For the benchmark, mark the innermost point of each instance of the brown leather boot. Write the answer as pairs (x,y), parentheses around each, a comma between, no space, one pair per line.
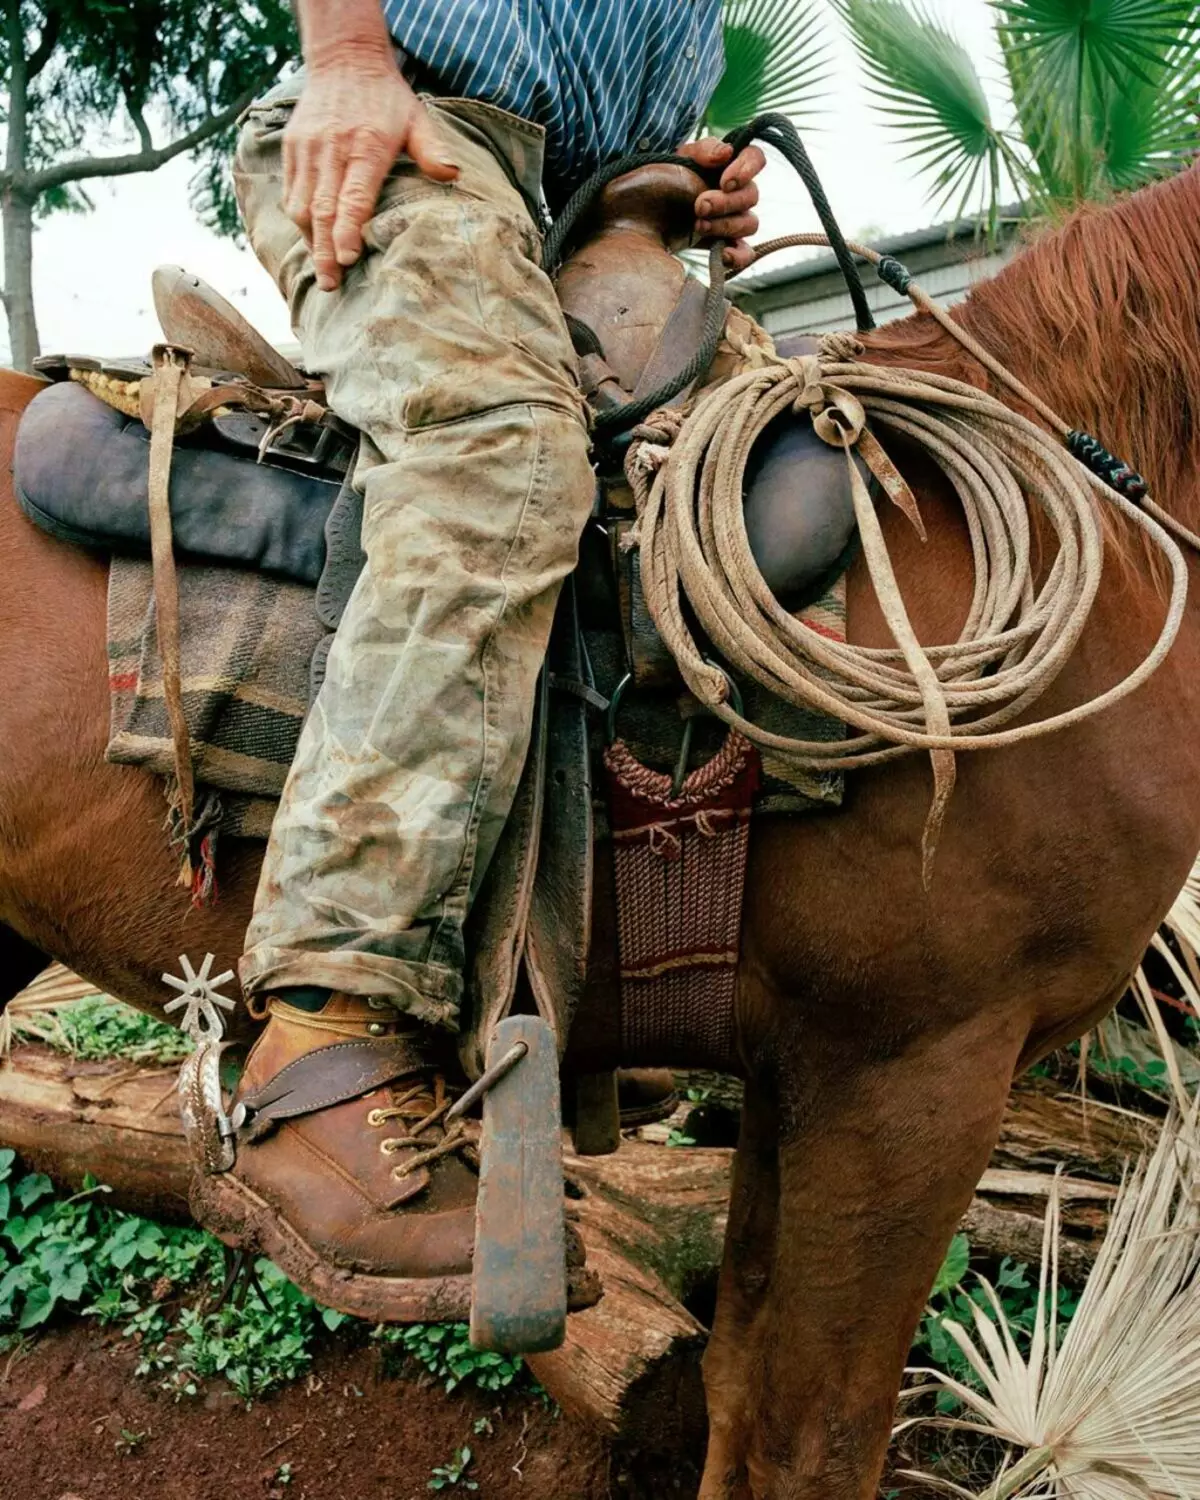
(645,1095)
(345,1173)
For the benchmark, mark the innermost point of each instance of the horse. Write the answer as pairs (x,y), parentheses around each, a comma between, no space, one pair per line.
(880,1023)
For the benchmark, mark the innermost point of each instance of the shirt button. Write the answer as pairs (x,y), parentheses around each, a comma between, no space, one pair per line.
(644,143)
(689,53)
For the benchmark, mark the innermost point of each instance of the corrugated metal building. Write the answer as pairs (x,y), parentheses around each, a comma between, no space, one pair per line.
(809,296)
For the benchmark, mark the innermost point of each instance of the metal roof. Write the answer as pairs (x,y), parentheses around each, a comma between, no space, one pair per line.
(953,234)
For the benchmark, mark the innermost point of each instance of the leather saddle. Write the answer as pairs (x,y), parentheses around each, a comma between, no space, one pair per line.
(283,503)
(81,464)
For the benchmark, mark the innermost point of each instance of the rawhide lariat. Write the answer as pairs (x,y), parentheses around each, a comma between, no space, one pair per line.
(700,578)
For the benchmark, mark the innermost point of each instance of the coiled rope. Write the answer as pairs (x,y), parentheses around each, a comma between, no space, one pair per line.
(687,475)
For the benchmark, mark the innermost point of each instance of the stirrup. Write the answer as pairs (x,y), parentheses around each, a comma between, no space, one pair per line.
(519,1276)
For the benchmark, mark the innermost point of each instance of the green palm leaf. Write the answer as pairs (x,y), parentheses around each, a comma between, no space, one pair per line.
(930,90)
(1104,90)
(776,58)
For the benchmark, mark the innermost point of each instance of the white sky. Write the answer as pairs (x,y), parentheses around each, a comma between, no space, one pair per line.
(92,274)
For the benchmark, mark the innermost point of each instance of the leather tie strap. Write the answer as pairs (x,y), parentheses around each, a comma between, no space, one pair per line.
(327,1076)
(170,366)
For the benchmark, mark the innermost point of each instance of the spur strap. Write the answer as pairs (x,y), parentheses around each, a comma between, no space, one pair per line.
(326,1076)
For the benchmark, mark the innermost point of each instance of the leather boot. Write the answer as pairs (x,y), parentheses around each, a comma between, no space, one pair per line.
(345,1173)
(645,1095)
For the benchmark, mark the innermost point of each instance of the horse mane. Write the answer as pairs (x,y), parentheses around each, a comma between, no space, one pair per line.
(1101,317)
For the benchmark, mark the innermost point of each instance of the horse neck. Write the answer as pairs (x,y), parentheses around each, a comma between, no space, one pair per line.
(1100,317)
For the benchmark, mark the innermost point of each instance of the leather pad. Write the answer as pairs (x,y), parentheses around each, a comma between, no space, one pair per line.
(81,473)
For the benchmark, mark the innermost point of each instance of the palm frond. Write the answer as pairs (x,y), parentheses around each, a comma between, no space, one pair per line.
(776,58)
(1104,90)
(1111,1412)
(927,85)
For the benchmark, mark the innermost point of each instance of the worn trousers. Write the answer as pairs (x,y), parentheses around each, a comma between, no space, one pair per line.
(445,346)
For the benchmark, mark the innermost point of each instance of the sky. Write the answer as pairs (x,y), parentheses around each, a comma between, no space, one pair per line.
(92,274)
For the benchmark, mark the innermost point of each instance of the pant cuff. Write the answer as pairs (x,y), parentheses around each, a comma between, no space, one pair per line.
(431,993)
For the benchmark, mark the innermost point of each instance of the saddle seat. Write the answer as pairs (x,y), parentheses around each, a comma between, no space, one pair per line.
(81,465)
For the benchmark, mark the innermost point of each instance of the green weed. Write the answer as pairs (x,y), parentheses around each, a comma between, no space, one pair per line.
(444,1349)
(679,1135)
(97,1027)
(453,1473)
(1017,1291)
(80,1255)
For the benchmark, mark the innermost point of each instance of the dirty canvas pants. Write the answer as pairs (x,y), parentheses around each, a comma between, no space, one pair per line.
(447,349)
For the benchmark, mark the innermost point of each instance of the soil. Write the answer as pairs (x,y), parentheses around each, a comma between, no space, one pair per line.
(76,1424)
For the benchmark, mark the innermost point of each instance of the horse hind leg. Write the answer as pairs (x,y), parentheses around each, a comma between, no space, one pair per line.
(876,1167)
(20,962)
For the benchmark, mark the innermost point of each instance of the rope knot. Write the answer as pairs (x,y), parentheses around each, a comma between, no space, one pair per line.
(837,416)
(805,370)
(646,458)
(664,843)
(839,348)
(651,442)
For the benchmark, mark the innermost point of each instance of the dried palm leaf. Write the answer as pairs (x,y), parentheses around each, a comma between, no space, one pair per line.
(32,1014)
(1113,1412)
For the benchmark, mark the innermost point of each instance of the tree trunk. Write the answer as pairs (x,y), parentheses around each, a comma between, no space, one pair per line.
(18,281)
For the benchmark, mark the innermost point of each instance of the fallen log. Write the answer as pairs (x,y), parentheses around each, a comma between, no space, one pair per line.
(632,1364)
(1046,1127)
(115,1120)
(652,1218)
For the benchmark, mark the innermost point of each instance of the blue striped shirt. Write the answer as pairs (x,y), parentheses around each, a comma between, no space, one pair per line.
(602,76)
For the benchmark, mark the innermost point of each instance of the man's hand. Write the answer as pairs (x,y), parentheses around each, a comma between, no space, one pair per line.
(726,212)
(354,118)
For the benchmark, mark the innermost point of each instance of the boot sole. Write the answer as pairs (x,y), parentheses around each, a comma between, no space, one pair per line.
(650,1114)
(243,1220)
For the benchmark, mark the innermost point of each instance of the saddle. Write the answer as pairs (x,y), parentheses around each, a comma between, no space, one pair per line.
(264,484)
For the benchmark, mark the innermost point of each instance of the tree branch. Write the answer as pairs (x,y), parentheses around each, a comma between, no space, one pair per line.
(42,53)
(84,167)
(139,124)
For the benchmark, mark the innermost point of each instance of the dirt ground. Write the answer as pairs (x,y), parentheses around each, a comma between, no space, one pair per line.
(71,1411)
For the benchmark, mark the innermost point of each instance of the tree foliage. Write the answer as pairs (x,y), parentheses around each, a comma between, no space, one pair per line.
(1103,96)
(103,70)
(85,79)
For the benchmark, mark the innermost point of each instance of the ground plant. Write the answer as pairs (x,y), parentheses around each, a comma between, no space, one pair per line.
(159,1285)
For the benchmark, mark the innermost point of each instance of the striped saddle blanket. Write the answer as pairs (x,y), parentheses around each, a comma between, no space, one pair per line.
(253,648)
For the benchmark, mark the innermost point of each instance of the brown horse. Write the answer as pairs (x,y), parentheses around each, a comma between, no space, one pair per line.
(880,1024)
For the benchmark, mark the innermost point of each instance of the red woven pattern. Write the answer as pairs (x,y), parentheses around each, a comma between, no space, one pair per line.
(680,866)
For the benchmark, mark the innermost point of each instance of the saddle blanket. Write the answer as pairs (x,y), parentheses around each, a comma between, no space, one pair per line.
(248,644)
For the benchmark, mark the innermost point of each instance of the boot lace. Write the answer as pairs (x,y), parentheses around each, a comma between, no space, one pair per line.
(425,1106)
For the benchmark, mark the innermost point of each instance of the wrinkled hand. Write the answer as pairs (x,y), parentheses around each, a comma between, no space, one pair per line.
(352,121)
(726,212)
